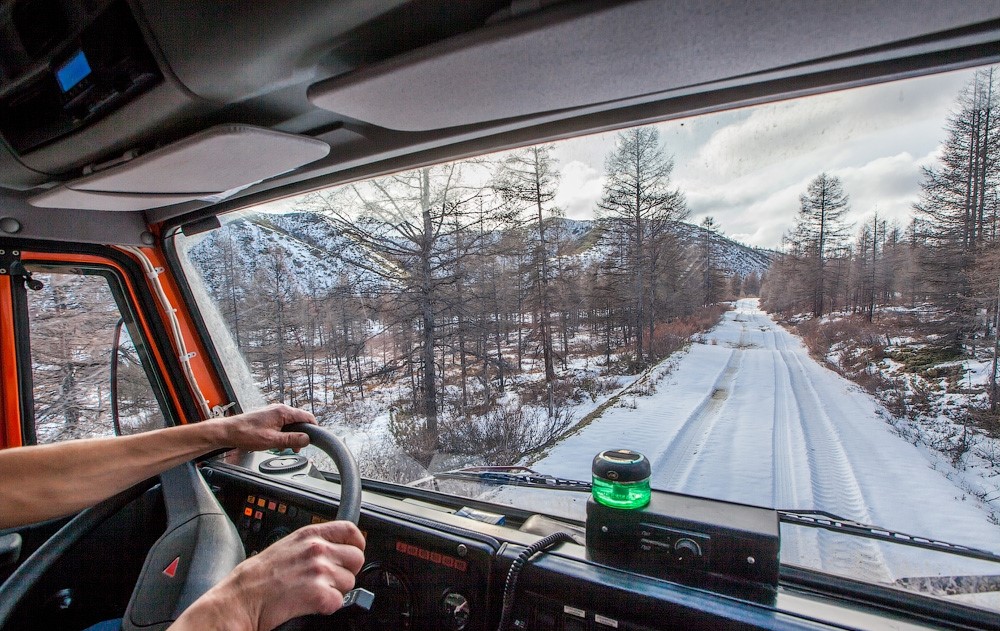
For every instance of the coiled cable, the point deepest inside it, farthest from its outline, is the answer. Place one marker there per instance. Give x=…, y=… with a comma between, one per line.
x=515, y=572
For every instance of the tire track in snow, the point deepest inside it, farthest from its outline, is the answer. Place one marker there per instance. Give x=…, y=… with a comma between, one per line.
x=791, y=476
x=791, y=485
x=835, y=486
x=788, y=445
x=674, y=464
x=785, y=442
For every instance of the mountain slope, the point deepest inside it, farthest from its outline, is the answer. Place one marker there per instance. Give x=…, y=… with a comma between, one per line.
x=255, y=248
x=588, y=238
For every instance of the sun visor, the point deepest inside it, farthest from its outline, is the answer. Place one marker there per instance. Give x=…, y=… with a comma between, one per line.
x=205, y=165
x=574, y=58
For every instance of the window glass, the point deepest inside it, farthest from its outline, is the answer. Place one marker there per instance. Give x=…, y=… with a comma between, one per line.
x=73, y=322
x=792, y=305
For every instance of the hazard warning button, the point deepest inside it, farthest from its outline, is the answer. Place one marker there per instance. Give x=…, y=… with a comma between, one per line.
x=171, y=569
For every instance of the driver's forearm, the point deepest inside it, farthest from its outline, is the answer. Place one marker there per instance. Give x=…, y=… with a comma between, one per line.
x=216, y=611
x=47, y=481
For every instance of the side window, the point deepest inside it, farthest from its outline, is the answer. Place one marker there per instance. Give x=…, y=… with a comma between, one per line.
x=80, y=342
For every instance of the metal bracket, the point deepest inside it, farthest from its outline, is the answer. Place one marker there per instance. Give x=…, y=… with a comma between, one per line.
x=11, y=265
x=7, y=259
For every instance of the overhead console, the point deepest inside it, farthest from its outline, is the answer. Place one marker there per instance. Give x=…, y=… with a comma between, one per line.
x=65, y=65
x=210, y=163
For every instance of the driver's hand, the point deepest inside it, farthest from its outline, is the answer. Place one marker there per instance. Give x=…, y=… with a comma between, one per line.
x=261, y=429
x=305, y=573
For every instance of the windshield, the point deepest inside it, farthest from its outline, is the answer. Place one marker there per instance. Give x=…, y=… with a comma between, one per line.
x=792, y=305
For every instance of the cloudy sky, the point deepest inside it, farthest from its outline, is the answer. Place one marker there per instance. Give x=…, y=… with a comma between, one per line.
x=747, y=168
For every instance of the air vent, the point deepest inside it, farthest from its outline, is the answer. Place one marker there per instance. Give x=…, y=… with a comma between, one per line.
x=41, y=25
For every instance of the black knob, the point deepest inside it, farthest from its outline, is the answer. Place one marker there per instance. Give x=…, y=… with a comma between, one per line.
x=687, y=549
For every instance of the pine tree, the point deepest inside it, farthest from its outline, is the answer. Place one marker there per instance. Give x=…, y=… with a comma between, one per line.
x=528, y=180
x=412, y=222
x=958, y=203
x=712, y=276
x=819, y=233
x=639, y=204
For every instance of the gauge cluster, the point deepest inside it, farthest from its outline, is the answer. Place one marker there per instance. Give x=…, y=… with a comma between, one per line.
x=422, y=577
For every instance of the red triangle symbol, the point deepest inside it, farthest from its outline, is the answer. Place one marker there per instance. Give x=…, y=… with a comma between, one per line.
x=172, y=568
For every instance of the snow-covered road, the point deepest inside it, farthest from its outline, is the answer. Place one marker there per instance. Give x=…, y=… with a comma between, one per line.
x=747, y=415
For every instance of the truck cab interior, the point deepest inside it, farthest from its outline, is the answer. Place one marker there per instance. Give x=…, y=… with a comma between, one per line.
x=131, y=129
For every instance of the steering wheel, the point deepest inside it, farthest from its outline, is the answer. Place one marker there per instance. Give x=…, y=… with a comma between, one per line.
x=199, y=548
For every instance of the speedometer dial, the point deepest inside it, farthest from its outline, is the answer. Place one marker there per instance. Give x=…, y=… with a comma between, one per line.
x=393, y=604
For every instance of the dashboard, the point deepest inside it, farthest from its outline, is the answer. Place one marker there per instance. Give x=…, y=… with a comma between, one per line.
x=424, y=575
x=432, y=569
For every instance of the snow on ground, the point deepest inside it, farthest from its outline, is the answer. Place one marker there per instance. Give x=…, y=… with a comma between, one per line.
x=748, y=416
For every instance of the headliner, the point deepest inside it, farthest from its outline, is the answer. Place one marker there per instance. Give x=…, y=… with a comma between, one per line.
x=395, y=85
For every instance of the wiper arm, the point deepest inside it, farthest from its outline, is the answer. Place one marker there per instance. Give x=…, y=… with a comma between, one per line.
x=523, y=476
x=514, y=476
x=828, y=521
x=951, y=585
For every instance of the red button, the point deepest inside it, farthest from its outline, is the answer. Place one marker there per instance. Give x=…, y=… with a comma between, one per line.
x=171, y=569
x=258, y=515
x=272, y=505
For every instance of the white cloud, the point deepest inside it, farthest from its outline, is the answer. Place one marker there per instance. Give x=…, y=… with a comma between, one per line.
x=751, y=165
x=747, y=167
x=889, y=185
x=770, y=134
x=579, y=189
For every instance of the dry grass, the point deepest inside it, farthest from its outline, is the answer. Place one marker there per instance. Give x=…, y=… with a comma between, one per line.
x=669, y=337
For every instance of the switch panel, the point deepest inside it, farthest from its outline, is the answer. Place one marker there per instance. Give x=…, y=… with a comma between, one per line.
x=731, y=548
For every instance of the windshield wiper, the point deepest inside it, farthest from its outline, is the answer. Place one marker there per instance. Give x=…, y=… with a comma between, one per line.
x=828, y=521
x=511, y=475
x=523, y=476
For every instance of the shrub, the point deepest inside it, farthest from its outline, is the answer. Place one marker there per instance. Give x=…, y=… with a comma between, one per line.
x=669, y=337
x=505, y=434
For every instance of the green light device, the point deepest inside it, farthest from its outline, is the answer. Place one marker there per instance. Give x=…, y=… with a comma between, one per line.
x=621, y=479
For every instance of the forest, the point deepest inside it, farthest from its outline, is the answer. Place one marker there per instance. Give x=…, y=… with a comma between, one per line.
x=462, y=293
x=924, y=293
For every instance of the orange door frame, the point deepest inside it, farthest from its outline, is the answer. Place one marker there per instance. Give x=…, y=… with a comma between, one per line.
x=205, y=375
x=9, y=396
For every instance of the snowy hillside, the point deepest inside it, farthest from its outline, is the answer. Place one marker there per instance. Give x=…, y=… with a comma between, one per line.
x=257, y=246
x=733, y=257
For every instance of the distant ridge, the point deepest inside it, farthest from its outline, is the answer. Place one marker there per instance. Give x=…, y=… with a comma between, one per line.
x=309, y=241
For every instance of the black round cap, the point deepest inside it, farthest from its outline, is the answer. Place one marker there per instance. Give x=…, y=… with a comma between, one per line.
x=283, y=464
x=621, y=465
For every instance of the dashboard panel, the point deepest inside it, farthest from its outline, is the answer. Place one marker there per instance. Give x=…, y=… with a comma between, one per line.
x=431, y=569
x=422, y=577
